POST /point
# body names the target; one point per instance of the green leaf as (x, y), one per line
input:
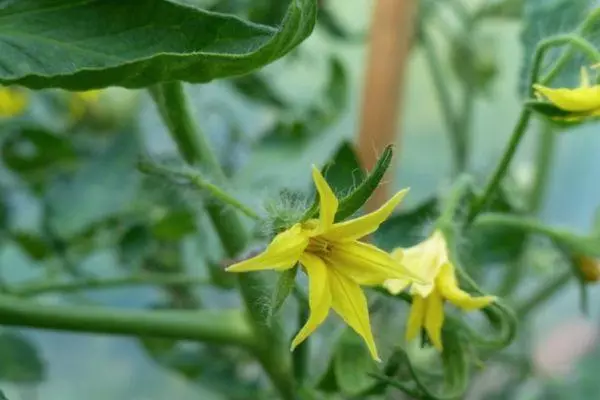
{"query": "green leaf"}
(283, 288)
(406, 229)
(342, 178)
(104, 187)
(135, 243)
(35, 150)
(88, 44)
(343, 172)
(174, 225)
(359, 196)
(19, 359)
(36, 247)
(353, 364)
(268, 12)
(544, 18)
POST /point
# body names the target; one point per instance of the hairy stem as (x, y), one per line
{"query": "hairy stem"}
(196, 179)
(194, 147)
(35, 289)
(175, 110)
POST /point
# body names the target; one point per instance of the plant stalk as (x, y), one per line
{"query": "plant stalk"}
(214, 326)
(194, 147)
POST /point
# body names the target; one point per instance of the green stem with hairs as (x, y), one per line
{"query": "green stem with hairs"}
(528, 224)
(545, 155)
(193, 145)
(36, 289)
(196, 179)
(214, 326)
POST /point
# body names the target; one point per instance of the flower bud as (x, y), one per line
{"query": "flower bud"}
(589, 268)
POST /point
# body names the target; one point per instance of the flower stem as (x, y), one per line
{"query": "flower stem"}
(531, 225)
(194, 147)
(35, 289)
(200, 182)
(543, 167)
(216, 326)
(502, 167)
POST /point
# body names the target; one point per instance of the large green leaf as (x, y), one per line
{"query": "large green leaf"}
(96, 43)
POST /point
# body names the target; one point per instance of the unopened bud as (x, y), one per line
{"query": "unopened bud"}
(589, 268)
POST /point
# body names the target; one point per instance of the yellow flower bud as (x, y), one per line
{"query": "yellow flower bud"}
(589, 268)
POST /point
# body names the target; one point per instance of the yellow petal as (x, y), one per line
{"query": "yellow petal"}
(282, 253)
(367, 264)
(356, 228)
(576, 100)
(425, 260)
(319, 296)
(447, 285)
(350, 303)
(415, 318)
(434, 318)
(327, 200)
(395, 286)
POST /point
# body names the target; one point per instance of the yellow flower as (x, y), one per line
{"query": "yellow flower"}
(589, 268)
(81, 101)
(335, 261)
(430, 259)
(583, 100)
(12, 102)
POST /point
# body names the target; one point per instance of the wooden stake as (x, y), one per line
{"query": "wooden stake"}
(390, 42)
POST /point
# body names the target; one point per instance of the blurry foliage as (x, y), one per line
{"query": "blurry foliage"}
(19, 359)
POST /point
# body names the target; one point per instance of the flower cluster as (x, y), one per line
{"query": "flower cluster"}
(338, 264)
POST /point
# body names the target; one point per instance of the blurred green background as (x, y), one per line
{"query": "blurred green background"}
(94, 192)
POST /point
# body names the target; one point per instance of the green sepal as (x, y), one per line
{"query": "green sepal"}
(359, 196)
(557, 115)
(283, 288)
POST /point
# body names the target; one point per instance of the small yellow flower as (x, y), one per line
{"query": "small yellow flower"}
(80, 102)
(583, 100)
(589, 268)
(335, 261)
(12, 102)
(430, 259)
